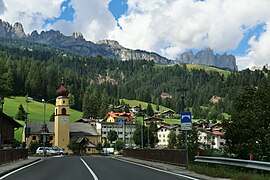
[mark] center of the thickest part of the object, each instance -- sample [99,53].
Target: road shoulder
[12,166]
[167,167]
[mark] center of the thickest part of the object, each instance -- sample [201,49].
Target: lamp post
[2,101]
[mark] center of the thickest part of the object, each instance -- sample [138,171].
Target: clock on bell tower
[61,121]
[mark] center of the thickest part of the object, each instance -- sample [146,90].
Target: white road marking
[18,170]
[180,175]
[90,170]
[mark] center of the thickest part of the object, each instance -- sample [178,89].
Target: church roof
[62,91]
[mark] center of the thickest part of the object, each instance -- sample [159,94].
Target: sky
[167,27]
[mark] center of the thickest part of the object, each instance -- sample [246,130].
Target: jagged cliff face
[6,30]
[112,49]
[208,58]
[127,54]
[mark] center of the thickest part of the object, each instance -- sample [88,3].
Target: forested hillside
[36,70]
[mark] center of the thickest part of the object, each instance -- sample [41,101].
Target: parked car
[60,151]
[43,150]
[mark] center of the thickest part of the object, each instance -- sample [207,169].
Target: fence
[234,162]
[176,157]
[9,155]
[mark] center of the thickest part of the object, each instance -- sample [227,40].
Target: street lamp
[2,101]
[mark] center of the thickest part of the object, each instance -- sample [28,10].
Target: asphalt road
[91,167]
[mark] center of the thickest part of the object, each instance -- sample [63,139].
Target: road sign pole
[187,148]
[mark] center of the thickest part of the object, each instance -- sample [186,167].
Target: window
[63,102]
[56,112]
[34,138]
[64,111]
[221,143]
[164,135]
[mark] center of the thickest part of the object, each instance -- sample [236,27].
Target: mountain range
[76,44]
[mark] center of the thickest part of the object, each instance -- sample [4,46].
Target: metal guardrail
[261,165]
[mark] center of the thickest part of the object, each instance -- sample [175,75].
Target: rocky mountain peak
[77,35]
[208,58]
[18,30]
[111,43]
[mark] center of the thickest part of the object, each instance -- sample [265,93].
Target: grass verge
[219,171]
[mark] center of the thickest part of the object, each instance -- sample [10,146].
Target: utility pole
[142,129]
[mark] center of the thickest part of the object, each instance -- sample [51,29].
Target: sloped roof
[118,115]
[10,119]
[85,128]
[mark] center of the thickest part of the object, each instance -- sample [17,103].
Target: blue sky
[167,27]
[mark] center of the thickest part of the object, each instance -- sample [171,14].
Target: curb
[18,167]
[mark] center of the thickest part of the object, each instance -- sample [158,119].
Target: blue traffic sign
[186,120]
[121,121]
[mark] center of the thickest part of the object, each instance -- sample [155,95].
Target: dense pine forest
[36,70]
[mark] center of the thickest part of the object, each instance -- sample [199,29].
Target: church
[61,130]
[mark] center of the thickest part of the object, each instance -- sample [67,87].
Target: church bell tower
[61,121]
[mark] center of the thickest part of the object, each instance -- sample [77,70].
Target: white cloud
[31,13]
[258,55]
[91,18]
[2,7]
[158,24]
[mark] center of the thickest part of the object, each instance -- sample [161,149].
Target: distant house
[134,110]
[114,116]
[167,113]
[212,136]
[156,120]
[163,133]
[7,127]
[165,95]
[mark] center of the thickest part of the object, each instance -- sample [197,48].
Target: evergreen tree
[112,136]
[149,110]
[104,104]
[172,141]
[21,114]
[248,130]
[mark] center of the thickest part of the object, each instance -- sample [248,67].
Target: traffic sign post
[186,125]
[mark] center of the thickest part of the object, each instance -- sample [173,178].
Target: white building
[213,137]
[127,129]
[163,133]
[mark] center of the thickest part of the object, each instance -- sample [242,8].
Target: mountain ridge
[112,49]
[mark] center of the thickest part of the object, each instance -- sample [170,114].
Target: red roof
[119,115]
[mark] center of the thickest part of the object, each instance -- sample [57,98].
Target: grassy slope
[36,111]
[197,66]
[143,104]
[206,68]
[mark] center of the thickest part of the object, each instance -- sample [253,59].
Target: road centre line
[8,174]
[180,175]
[89,169]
